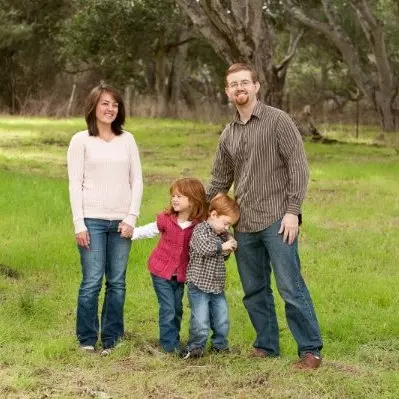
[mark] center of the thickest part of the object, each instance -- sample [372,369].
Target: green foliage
[28,48]
[117,38]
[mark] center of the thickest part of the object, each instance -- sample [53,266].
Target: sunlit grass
[349,258]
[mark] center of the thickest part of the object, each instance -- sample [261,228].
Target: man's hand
[83,239]
[289,227]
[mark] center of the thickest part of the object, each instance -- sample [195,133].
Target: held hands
[289,227]
[125,229]
[83,239]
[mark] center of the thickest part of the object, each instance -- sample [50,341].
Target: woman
[105,186]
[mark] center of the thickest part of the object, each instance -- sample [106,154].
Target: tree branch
[338,36]
[374,33]
[170,46]
[294,40]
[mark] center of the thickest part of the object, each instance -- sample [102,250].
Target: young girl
[168,261]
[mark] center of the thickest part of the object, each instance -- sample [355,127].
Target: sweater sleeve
[136,183]
[149,230]
[75,159]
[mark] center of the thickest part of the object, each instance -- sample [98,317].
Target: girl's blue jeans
[170,300]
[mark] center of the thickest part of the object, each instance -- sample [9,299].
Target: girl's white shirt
[150,230]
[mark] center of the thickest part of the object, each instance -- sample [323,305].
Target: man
[261,152]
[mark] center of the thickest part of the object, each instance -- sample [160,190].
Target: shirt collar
[256,112]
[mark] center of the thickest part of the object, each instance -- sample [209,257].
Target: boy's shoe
[191,354]
[221,350]
[308,362]
[106,351]
[87,348]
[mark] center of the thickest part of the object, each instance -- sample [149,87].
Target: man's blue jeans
[208,311]
[170,300]
[255,254]
[108,255]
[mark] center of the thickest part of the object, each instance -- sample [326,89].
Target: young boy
[210,246]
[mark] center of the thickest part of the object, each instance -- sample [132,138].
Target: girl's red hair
[195,191]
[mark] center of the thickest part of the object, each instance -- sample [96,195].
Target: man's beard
[240,99]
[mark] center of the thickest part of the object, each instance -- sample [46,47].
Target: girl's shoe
[107,351]
[87,348]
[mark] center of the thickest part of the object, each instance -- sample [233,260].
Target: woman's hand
[83,239]
[125,229]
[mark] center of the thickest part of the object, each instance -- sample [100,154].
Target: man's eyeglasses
[242,83]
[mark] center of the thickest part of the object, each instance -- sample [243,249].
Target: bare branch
[373,29]
[170,46]
[294,40]
[341,40]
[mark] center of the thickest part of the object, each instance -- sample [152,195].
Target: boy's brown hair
[195,191]
[90,109]
[224,205]
[240,66]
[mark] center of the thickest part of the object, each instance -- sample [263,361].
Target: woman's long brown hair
[90,109]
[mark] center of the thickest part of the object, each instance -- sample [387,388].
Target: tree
[370,59]
[141,42]
[28,56]
[242,30]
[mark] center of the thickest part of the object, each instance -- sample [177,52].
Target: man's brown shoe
[308,362]
[258,352]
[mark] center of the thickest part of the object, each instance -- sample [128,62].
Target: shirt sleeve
[203,244]
[149,230]
[291,149]
[136,183]
[75,160]
[222,169]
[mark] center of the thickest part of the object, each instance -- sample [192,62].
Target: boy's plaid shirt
[206,269]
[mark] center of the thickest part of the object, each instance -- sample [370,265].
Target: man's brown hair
[194,190]
[240,66]
[224,205]
[90,109]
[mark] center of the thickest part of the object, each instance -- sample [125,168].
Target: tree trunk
[375,79]
[273,93]
[160,82]
[242,34]
[386,112]
[176,74]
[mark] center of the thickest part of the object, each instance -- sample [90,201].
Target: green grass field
[349,250]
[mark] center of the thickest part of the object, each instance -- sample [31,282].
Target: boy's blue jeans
[170,300]
[255,254]
[208,311]
[108,255]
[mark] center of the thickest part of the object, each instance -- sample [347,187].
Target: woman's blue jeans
[170,300]
[257,253]
[208,312]
[108,255]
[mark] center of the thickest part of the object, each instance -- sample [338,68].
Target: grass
[349,254]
